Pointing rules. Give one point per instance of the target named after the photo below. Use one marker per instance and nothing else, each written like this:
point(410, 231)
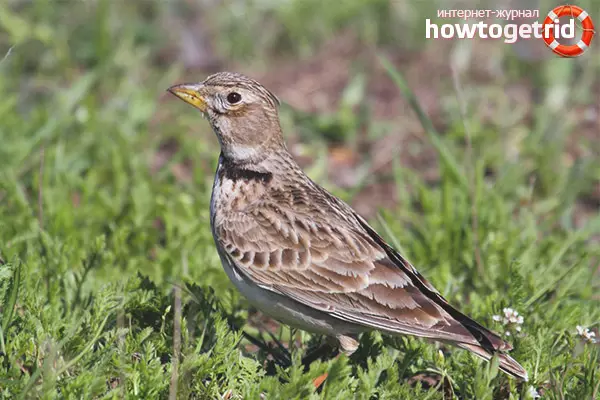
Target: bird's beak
point(190, 93)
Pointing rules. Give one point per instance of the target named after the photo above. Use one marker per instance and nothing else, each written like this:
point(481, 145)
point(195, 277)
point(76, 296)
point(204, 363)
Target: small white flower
point(532, 393)
point(510, 319)
point(587, 335)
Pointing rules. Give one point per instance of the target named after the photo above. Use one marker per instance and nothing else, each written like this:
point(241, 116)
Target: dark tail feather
point(507, 363)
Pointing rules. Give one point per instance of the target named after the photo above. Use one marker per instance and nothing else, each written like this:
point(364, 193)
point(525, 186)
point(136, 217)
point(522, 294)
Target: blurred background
point(477, 159)
point(67, 61)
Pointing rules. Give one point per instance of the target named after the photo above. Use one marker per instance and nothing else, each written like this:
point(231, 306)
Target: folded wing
point(348, 271)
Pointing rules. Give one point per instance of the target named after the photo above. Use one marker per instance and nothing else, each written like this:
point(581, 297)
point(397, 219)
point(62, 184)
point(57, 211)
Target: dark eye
point(234, 97)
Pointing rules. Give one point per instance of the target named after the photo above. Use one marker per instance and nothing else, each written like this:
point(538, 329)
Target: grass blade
point(448, 159)
point(12, 297)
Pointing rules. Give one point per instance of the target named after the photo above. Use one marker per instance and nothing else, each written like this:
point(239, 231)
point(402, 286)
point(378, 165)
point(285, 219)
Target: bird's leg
point(332, 348)
point(324, 351)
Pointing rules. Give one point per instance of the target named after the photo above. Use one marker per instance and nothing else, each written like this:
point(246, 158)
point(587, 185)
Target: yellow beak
point(190, 93)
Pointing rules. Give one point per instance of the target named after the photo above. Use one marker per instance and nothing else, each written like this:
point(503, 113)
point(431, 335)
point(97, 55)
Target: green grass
point(103, 247)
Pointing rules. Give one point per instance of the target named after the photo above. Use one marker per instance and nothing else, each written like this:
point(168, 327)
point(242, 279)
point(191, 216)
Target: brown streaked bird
point(300, 254)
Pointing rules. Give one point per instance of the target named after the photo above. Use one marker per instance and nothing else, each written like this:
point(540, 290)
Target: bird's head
point(242, 113)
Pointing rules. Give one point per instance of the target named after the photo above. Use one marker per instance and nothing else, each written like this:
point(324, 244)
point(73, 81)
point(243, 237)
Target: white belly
point(286, 310)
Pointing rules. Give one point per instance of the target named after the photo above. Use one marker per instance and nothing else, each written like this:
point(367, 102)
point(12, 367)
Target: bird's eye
point(234, 97)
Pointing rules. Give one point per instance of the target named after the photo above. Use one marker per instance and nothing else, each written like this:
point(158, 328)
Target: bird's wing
point(344, 268)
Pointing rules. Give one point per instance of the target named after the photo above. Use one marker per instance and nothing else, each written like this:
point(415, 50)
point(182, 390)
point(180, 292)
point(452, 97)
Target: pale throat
point(243, 154)
point(262, 136)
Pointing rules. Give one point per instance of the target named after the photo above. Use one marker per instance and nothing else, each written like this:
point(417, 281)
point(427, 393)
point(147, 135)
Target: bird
point(303, 256)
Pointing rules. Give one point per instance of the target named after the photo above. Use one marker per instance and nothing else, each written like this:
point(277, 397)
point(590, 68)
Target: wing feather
point(345, 269)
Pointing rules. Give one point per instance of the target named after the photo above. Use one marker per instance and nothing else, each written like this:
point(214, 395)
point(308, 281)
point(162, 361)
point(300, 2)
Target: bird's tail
point(507, 363)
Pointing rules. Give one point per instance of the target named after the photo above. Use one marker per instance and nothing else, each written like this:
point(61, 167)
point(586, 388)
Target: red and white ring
point(588, 31)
